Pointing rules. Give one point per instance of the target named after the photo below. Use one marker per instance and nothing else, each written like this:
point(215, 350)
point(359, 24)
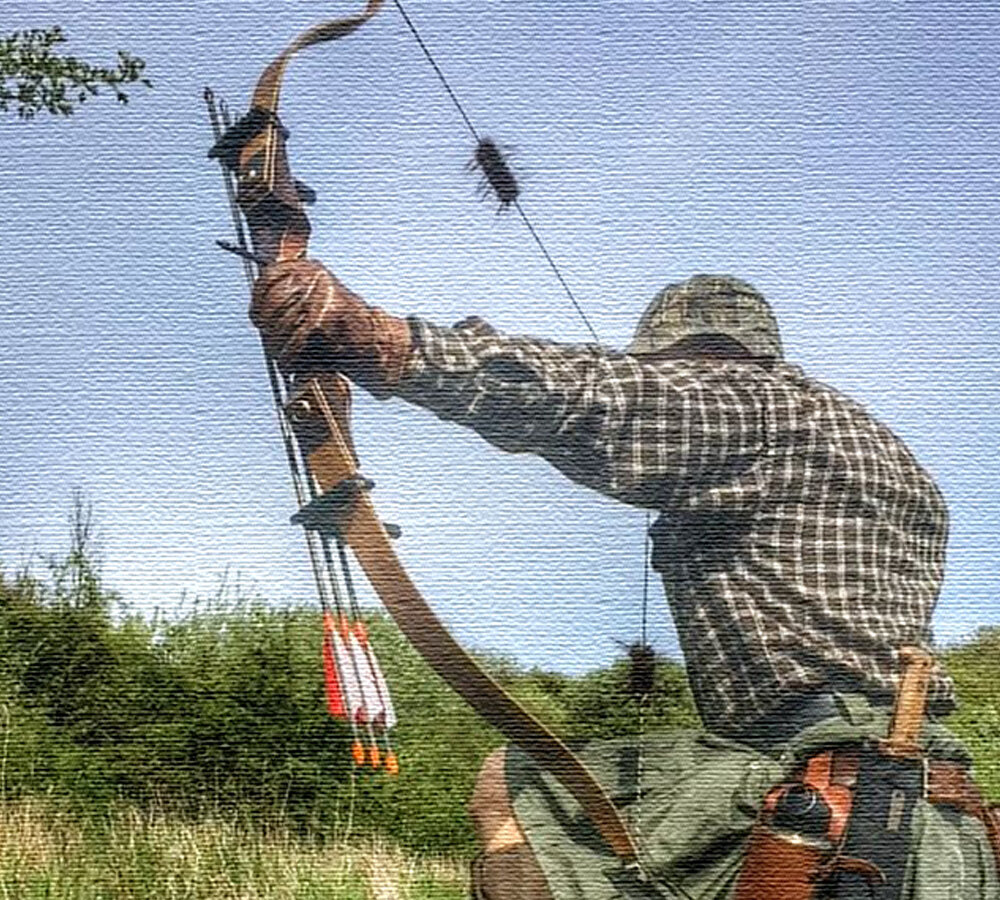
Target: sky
point(843, 157)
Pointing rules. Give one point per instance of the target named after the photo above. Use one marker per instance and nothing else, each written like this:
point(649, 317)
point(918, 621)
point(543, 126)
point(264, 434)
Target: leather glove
point(311, 322)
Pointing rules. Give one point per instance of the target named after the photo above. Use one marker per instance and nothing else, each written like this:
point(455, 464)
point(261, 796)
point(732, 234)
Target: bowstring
point(644, 611)
point(516, 203)
point(643, 701)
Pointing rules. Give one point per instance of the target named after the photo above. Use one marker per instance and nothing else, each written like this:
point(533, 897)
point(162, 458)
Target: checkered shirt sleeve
point(799, 542)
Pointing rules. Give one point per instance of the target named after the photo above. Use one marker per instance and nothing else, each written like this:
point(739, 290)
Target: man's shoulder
point(851, 430)
point(824, 400)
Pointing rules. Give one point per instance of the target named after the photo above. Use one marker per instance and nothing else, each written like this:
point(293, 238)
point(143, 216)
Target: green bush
point(220, 710)
point(975, 666)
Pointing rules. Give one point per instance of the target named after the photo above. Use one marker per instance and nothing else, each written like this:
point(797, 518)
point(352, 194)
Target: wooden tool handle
point(911, 700)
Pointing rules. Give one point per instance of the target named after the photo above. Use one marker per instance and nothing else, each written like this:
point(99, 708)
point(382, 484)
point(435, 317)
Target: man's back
point(807, 562)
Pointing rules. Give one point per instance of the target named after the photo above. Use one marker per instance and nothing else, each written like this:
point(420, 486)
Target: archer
point(801, 545)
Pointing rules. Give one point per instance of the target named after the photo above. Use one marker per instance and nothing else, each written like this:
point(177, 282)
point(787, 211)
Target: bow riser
point(269, 198)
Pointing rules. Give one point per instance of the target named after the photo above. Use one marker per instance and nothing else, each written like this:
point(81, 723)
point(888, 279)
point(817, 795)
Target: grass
point(131, 854)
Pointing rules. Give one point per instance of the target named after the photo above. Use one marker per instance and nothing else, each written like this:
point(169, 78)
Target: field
point(192, 757)
point(132, 854)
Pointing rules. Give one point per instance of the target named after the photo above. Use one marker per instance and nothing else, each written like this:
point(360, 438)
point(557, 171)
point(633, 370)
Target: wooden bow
point(314, 420)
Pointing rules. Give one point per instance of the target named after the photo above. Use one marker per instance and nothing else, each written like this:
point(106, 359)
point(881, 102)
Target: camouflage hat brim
point(708, 304)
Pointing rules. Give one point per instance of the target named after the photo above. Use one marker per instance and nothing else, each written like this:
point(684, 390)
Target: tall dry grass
point(131, 854)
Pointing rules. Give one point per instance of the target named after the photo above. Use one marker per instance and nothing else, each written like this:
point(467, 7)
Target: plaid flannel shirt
point(799, 542)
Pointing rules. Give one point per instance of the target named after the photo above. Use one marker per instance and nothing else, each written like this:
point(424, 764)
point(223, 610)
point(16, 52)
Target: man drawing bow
point(799, 541)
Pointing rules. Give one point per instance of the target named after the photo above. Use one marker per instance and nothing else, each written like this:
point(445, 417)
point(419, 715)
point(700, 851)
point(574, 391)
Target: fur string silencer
point(497, 174)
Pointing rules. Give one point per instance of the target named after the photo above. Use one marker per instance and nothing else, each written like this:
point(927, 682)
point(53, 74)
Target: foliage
point(599, 705)
point(219, 711)
point(975, 667)
point(34, 78)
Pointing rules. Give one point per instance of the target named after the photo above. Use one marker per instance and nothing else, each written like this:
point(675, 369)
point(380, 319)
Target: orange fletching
point(334, 694)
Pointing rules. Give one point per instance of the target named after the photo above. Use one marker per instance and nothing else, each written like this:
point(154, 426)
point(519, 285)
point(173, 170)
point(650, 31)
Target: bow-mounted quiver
point(336, 510)
point(260, 187)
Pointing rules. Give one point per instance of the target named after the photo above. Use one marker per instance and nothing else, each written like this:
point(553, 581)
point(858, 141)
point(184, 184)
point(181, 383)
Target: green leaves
point(34, 78)
point(974, 666)
point(222, 709)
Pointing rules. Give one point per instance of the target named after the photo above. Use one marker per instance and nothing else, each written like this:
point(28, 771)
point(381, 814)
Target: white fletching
point(353, 694)
point(383, 691)
point(369, 690)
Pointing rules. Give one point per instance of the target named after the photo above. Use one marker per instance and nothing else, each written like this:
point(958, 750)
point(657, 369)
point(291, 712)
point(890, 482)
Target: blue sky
point(843, 157)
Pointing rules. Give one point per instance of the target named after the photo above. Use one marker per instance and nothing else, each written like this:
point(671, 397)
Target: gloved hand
point(310, 321)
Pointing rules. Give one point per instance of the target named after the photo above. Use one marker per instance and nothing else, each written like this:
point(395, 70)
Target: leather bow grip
point(320, 414)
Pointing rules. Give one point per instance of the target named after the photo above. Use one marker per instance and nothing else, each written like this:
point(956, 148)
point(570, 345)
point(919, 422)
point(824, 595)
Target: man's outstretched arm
point(636, 431)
